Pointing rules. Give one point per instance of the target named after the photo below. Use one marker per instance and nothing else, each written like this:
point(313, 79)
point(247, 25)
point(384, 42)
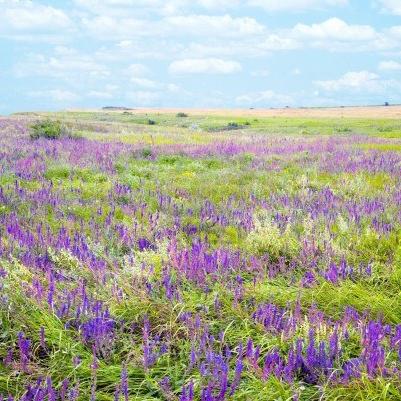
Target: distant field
point(208, 255)
point(131, 125)
point(334, 112)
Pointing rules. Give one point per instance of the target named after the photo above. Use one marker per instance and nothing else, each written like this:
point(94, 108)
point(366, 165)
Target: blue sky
point(198, 53)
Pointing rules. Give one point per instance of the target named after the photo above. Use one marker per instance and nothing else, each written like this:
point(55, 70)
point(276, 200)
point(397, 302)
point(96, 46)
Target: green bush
point(50, 129)
point(146, 152)
point(181, 114)
point(151, 122)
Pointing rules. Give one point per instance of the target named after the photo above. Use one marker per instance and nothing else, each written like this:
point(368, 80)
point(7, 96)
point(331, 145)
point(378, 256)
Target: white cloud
point(218, 4)
point(395, 31)
point(124, 44)
point(174, 7)
point(28, 22)
point(389, 65)
point(174, 88)
point(109, 28)
point(30, 16)
point(335, 34)
point(144, 83)
point(100, 95)
point(134, 44)
point(56, 95)
point(214, 25)
point(204, 66)
point(143, 98)
point(117, 7)
point(392, 6)
point(280, 41)
point(255, 46)
point(66, 64)
point(266, 98)
point(219, 49)
point(335, 29)
point(354, 81)
point(295, 5)
point(137, 70)
point(108, 92)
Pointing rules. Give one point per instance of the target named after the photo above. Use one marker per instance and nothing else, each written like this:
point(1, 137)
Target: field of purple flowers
point(182, 263)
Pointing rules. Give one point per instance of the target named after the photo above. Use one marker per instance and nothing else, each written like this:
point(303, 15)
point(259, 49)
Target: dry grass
point(390, 112)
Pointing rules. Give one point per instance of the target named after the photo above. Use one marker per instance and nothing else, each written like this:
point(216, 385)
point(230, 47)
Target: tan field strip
point(390, 112)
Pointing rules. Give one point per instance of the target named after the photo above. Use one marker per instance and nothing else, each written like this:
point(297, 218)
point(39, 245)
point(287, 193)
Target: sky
point(198, 53)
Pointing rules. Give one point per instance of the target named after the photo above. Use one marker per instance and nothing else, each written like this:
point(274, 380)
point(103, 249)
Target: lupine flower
point(24, 346)
point(124, 383)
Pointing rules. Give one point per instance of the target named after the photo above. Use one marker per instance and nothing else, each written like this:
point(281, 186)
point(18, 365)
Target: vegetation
point(48, 129)
point(141, 263)
point(51, 129)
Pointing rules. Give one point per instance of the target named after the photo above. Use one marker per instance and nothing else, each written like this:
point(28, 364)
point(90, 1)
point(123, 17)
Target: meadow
point(160, 256)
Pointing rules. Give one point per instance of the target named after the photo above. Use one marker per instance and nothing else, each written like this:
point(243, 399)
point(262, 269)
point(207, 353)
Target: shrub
point(343, 129)
point(151, 122)
point(146, 152)
point(50, 129)
point(181, 114)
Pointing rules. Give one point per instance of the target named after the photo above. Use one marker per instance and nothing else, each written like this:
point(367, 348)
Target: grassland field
point(186, 255)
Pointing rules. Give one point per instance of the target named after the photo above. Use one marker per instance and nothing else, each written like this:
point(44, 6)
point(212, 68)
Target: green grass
point(230, 184)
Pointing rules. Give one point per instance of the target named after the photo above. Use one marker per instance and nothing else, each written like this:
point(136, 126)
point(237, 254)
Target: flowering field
point(181, 258)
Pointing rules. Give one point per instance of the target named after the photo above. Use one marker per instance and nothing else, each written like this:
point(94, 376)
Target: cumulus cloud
point(110, 27)
point(336, 34)
point(108, 92)
point(335, 29)
point(137, 70)
point(149, 7)
point(56, 95)
point(218, 4)
point(266, 98)
point(354, 81)
point(389, 65)
point(392, 6)
point(204, 66)
point(28, 16)
point(66, 64)
point(135, 44)
point(100, 94)
point(395, 32)
point(144, 83)
point(29, 21)
point(117, 7)
point(275, 42)
point(166, 7)
point(295, 5)
point(143, 98)
point(214, 25)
